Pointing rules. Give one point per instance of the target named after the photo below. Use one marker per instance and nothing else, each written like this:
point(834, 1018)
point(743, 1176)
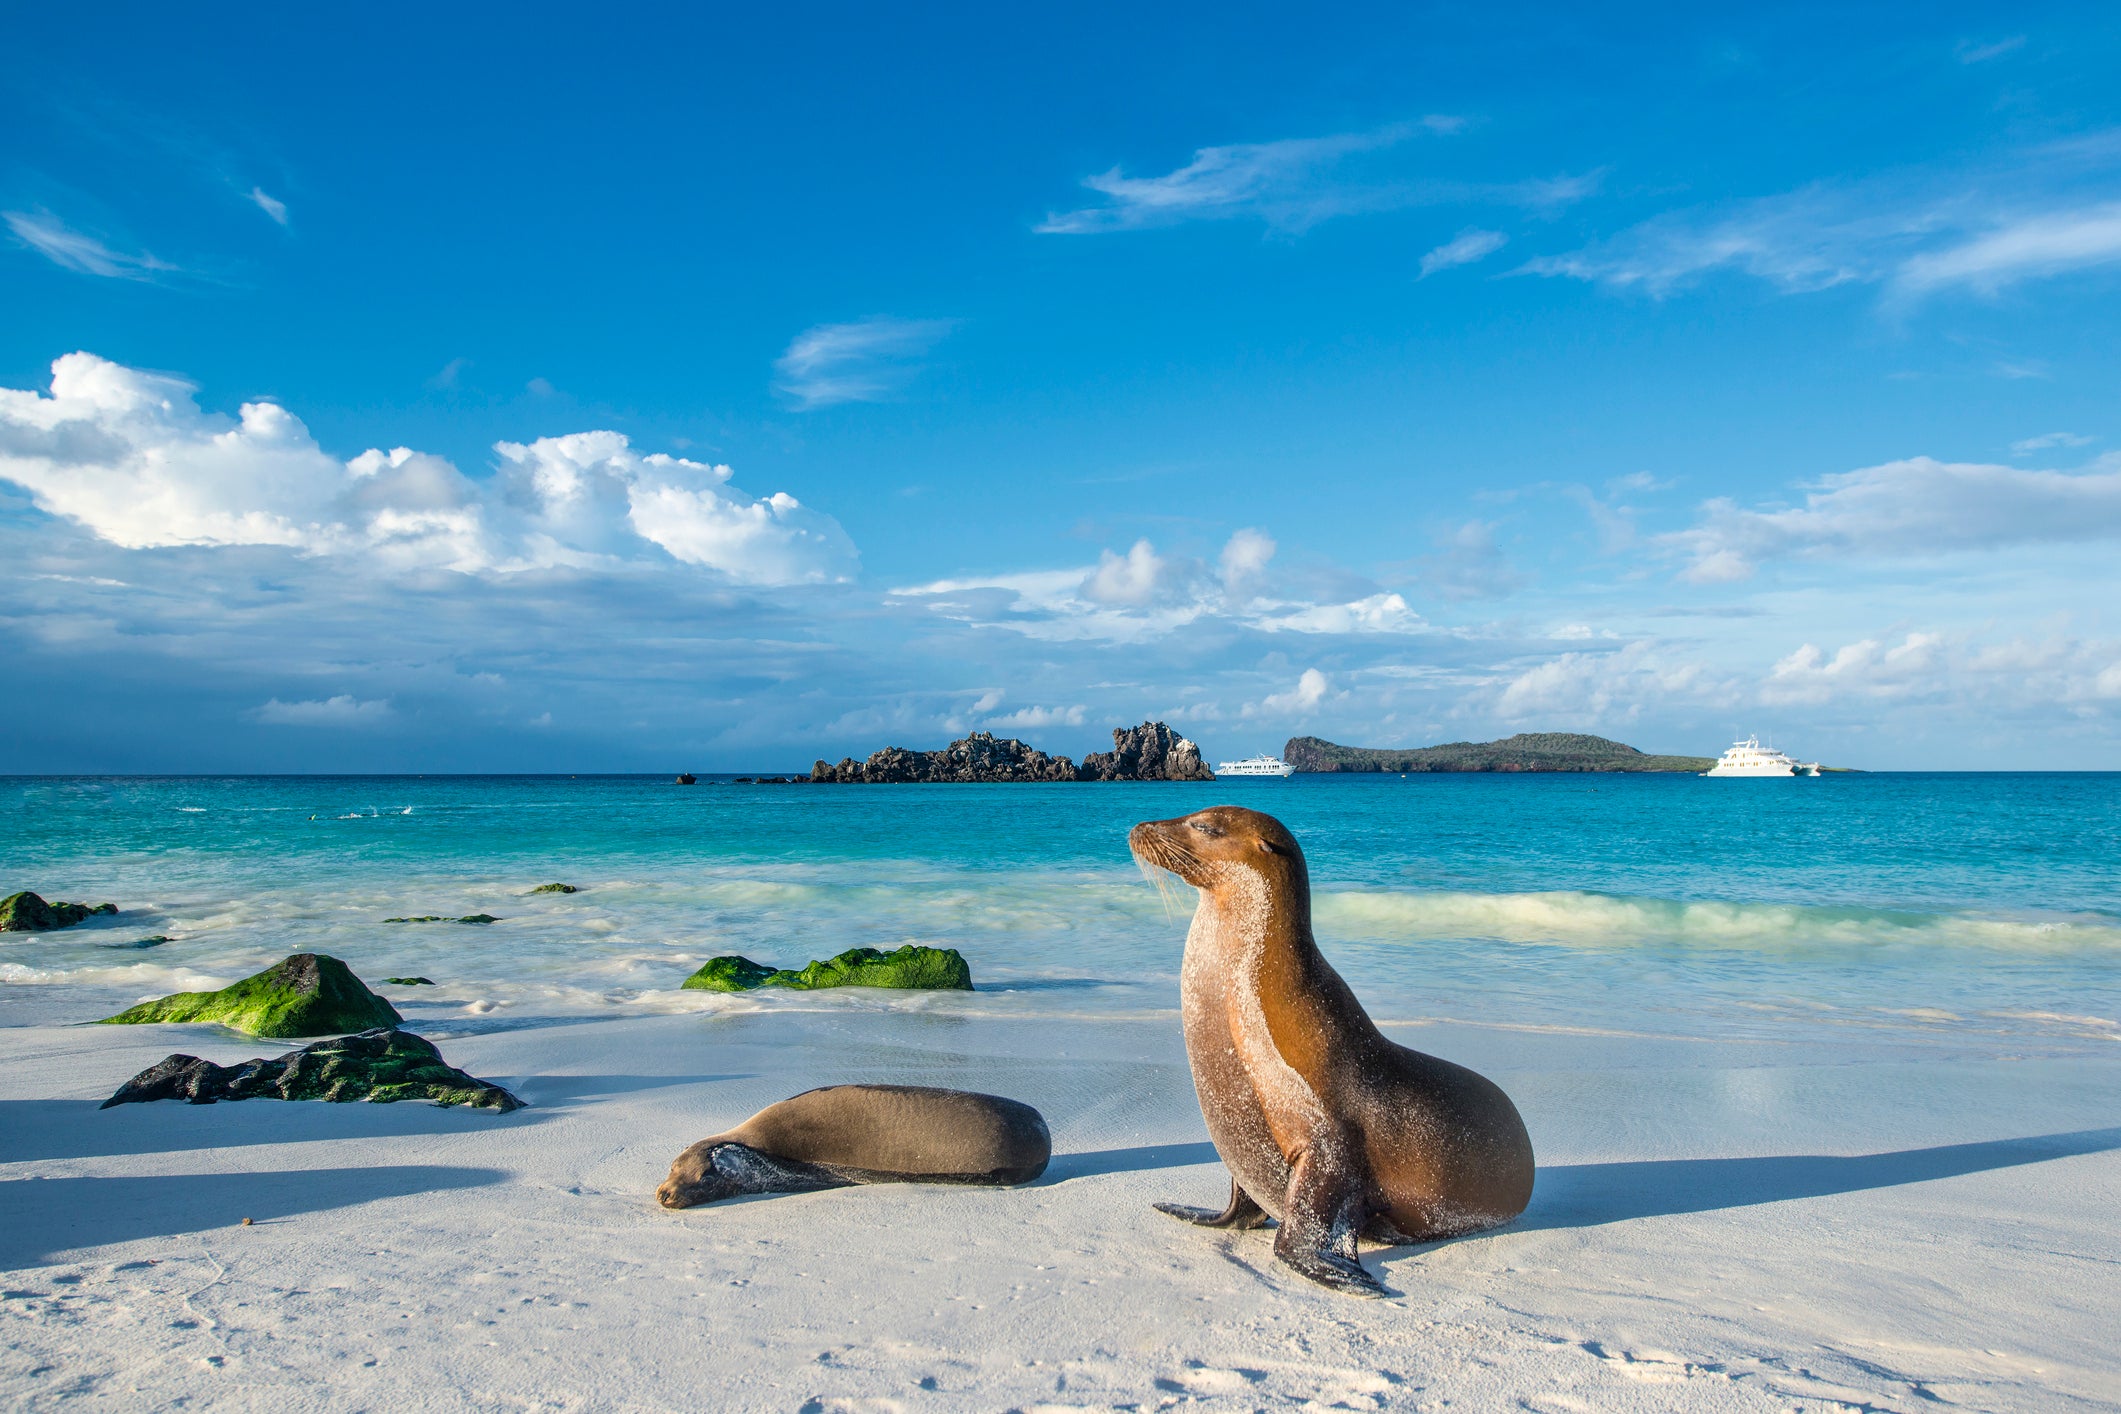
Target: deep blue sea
point(1953, 914)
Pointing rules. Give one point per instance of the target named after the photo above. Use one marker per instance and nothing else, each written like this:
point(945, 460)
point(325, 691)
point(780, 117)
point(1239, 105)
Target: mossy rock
point(555, 889)
point(911, 967)
point(408, 981)
point(382, 1066)
point(308, 994)
point(438, 918)
point(25, 912)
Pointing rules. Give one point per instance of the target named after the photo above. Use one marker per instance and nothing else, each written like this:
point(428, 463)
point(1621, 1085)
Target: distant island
point(1527, 751)
point(1149, 752)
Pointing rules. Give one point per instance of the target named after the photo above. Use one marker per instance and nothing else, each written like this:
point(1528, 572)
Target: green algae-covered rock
point(555, 889)
point(27, 913)
point(382, 1065)
point(308, 994)
point(438, 918)
point(408, 981)
point(912, 967)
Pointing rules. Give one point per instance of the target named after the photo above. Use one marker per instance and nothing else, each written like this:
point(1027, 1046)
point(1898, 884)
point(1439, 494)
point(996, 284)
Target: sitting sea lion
point(847, 1134)
point(1323, 1123)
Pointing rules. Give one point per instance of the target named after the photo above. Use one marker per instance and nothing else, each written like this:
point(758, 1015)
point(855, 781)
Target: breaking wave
point(1574, 919)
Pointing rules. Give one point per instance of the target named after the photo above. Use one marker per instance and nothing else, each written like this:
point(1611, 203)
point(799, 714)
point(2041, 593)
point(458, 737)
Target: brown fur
point(844, 1134)
point(1323, 1123)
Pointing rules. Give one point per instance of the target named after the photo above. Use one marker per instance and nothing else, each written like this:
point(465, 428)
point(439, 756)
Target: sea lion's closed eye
point(1208, 828)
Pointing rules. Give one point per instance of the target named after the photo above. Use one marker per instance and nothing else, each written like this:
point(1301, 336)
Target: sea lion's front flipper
point(1242, 1213)
point(1324, 1213)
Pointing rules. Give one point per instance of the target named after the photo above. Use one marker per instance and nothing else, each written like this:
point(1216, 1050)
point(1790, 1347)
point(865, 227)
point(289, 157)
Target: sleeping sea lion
point(848, 1134)
point(1324, 1124)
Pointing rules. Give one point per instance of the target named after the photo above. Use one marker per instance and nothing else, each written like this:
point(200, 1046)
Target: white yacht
point(1255, 766)
point(1750, 758)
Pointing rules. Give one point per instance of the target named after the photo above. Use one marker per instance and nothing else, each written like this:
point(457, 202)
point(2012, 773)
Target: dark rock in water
point(1149, 752)
point(382, 1065)
point(438, 918)
point(155, 942)
point(308, 994)
point(686, 778)
point(1527, 751)
point(408, 981)
point(976, 758)
point(911, 967)
point(27, 913)
point(555, 889)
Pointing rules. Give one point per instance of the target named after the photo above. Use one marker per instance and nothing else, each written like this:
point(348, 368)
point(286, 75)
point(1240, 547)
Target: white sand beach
point(1718, 1225)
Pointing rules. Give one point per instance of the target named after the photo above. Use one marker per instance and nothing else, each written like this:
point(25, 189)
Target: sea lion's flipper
point(1318, 1227)
point(1242, 1213)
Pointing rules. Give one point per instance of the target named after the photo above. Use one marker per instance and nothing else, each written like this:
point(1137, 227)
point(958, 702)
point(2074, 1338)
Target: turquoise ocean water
point(1975, 915)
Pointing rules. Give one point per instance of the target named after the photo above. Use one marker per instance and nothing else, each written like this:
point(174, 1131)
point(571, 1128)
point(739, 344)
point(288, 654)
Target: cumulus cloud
point(1143, 595)
point(866, 361)
point(1868, 667)
point(1031, 718)
point(1244, 557)
point(341, 711)
point(1466, 248)
point(75, 250)
point(132, 457)
point(1913, 507)
point(1293, 184)
point(1311, 689)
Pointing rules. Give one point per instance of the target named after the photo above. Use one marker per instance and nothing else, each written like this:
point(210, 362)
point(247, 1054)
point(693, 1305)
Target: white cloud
point(131, 456)
point(866, 361)
point(2024, 248)
point(74, 250)
point(1869, 668)
point(1133, 580)
point(1027, 718)
point(2051, 439)
point(1914, 507)
point(271, 206)
point(1379, 613)
point(1295, 183)
point(1142, 595)
point(1973, 53)
point(1466, 248)
point(1578, 689)
point(1245, 556)
point(340, 711)
point(1311, 689)
point(2037, 213)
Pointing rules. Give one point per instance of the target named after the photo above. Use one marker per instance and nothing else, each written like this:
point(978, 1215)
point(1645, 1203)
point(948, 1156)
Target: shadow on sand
point(1135, 1160)
point(46, 1216)
point(1588, 1195)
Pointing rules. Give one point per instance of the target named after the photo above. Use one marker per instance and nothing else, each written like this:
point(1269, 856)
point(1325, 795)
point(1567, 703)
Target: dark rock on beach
point(308, 994)
point(911, 967)
point(1149, 752)
point(382, 1065)
point(25, 912)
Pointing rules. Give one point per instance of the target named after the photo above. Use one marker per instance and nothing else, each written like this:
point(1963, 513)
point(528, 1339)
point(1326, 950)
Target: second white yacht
point(1261, 765)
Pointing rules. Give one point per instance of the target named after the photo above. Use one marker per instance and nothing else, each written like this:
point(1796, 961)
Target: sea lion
point(1323, 1123)
point(848, 1134)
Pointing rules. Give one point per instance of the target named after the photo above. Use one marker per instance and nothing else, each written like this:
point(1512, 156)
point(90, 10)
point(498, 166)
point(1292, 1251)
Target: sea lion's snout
point(1196, 846)
point(695, 1180)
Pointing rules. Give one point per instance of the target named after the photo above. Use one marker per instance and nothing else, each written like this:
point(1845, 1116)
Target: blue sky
point(530, 390)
